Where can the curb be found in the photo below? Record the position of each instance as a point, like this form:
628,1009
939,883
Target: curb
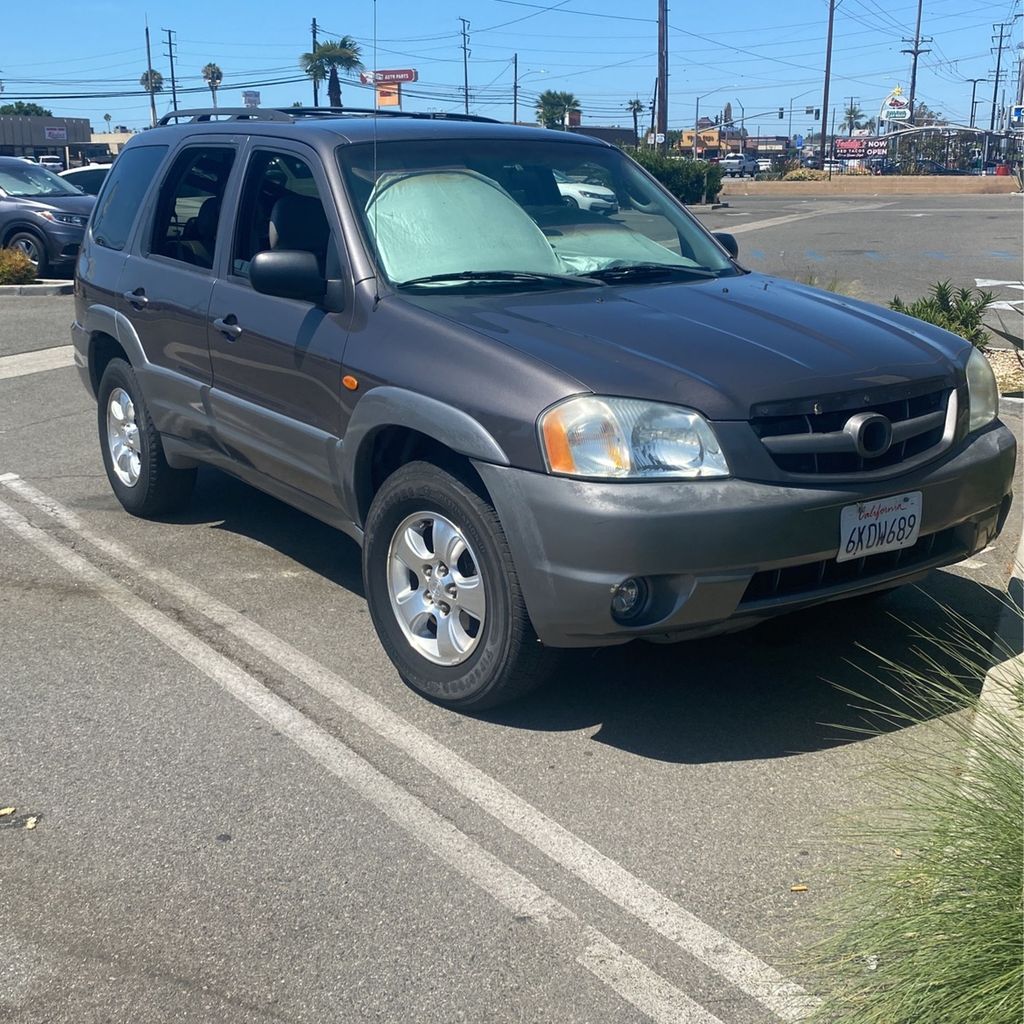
42,288
705,207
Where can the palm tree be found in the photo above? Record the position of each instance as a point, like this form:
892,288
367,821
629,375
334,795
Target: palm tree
553,108
852,117
213,76
107,118
325,60
636,108
152,81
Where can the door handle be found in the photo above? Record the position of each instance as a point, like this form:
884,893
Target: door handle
228,325
137,298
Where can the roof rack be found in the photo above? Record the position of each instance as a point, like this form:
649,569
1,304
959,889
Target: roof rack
291,114
224,114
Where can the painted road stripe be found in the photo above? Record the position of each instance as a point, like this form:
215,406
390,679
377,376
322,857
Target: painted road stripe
721,954
35,362
772,222
628,977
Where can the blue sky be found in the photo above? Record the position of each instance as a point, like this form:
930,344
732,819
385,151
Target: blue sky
753,54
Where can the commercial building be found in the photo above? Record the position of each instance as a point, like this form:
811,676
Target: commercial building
41,136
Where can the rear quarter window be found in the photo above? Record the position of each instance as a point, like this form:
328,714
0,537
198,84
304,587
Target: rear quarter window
122,194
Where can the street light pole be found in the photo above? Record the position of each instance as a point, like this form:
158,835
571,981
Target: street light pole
743,119
515,88
974,88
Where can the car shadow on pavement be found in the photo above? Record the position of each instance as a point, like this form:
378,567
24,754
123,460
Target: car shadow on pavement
224,503
770,692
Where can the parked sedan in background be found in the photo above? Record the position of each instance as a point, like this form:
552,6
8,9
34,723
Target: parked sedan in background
585,196
41,214
89,178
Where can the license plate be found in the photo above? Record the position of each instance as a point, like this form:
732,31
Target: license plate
885,524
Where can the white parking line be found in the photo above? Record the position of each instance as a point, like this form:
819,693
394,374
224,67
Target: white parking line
35,362
772,222
628,977
721,954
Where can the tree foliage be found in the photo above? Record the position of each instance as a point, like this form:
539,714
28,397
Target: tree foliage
324,62
553,108
157,84
21,109
213,76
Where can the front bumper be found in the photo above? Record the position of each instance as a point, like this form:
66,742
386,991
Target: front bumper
712,549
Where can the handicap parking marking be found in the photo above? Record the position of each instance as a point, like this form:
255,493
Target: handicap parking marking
1004,303
757,254
877,257
811,254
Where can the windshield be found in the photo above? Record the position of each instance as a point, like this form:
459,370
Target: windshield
450,212
33,182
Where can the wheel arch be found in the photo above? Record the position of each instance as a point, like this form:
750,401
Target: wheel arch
391,427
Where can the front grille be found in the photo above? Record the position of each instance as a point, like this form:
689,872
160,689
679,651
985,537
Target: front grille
815,443
796,581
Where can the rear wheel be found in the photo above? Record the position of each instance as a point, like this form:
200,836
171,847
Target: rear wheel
29,243
443,592
132,453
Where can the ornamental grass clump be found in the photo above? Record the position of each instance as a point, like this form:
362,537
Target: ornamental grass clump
16,267
931,926
960,310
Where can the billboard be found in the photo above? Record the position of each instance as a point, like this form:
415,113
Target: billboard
388,77
54,133
859,149
894,107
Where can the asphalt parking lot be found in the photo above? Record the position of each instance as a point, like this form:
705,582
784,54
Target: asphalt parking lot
243,814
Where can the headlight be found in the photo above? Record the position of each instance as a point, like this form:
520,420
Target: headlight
596,195
982,392
627,439
75,219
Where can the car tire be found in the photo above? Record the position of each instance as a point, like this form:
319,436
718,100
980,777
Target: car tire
459,634
34,247
571,202
133,454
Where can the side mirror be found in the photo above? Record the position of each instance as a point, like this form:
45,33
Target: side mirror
728,243
289,274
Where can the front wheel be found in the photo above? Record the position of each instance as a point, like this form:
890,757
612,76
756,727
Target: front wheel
29,243
443,592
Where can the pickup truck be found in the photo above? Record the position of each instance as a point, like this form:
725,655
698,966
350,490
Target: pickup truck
739,164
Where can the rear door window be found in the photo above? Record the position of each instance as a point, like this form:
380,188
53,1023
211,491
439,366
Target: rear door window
188,207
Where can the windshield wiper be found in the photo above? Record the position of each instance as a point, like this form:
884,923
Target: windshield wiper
638,271
526,276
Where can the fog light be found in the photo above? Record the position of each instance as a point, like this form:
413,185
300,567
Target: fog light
629,599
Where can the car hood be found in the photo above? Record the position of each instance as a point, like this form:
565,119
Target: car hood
64,204
720,346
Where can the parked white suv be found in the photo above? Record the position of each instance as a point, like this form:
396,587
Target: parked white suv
51,163
739,164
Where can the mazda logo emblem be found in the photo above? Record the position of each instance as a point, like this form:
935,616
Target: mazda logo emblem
870,432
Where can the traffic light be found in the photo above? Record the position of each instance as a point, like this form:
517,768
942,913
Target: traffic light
782,113
817,113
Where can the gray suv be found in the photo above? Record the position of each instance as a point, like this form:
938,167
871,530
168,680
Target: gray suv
547,427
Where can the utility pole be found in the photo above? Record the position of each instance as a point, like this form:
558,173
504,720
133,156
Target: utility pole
465,62
743,121
828,74
662,74
999,64
515,88
916,50
170,57
316,89
974,103
149,81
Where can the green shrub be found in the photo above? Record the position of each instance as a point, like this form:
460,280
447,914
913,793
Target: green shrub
690,181
959,311
805,174
16,267
932,915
